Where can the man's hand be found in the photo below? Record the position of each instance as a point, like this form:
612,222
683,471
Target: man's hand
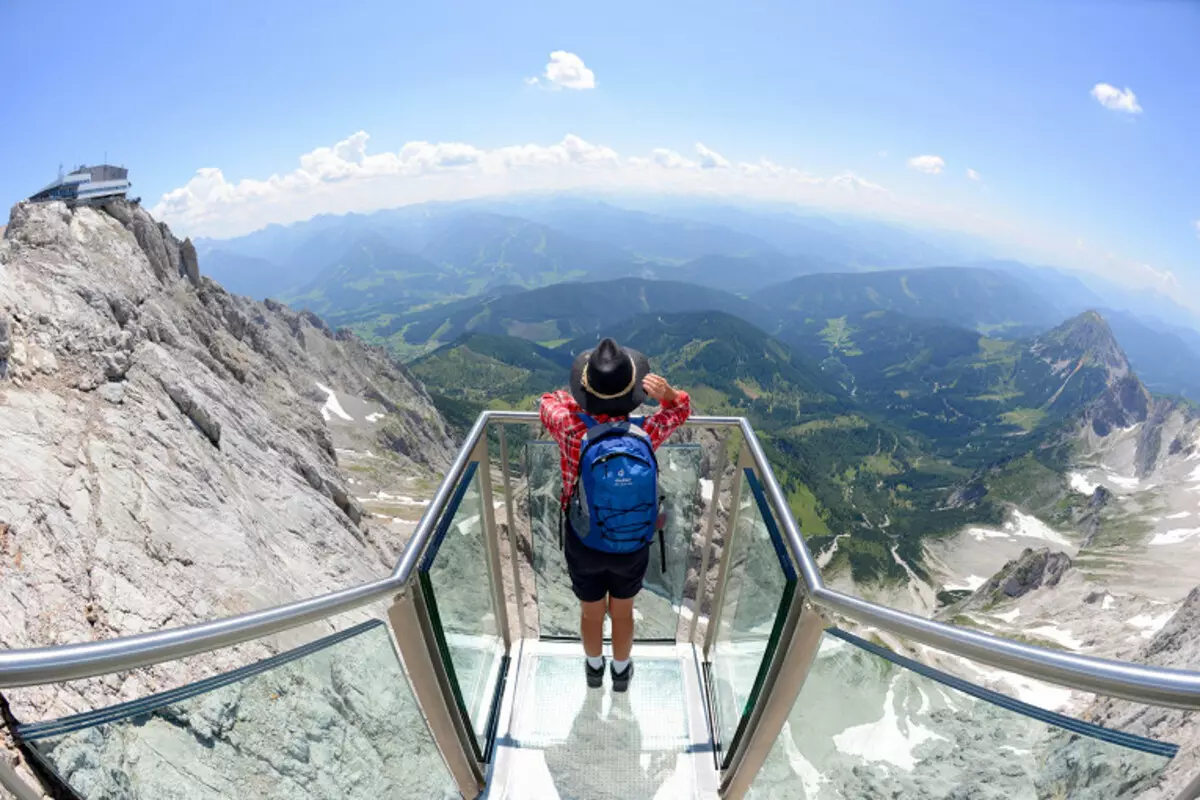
657,387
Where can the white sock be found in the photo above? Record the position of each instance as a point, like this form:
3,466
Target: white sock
619,667
595,662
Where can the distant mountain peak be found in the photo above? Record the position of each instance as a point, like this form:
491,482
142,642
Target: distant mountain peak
1084,340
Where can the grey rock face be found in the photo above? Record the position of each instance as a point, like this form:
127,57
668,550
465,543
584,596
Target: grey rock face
5,339
865,728
119,514
1034,569
338,723
1177,645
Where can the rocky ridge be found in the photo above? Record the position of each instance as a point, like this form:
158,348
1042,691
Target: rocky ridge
163,452
1177,646
1033,569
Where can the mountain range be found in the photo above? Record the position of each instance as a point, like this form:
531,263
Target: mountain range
904,387
911,414
893,427
374,272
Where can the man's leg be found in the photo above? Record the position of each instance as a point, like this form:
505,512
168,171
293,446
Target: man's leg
621,611
591,627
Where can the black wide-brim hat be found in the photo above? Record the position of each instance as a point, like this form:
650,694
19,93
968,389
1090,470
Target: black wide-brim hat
608,379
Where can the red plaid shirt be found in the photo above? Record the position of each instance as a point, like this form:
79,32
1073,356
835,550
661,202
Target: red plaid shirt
560,415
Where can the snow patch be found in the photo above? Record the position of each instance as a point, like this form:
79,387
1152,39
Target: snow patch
332,407
1121,481
1177,536
1022,525
1081,484
706,489
1150,625
1108,602
885,739
1180,515
1008,616
969,584
375,417
1034,692
987,533
810,777
1057,634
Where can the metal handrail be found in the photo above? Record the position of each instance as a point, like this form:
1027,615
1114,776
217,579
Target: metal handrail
42,665
1143,684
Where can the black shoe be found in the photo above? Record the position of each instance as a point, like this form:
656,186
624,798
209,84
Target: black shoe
621,682
595,677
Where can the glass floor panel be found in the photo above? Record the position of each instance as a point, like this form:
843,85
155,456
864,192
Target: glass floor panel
568,741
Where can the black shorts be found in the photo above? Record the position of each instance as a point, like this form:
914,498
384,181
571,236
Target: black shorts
596,574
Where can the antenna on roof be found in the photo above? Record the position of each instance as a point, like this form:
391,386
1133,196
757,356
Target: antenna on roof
60,172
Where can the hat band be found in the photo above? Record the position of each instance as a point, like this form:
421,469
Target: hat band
622,393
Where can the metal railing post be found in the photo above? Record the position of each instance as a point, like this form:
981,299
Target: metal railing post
513,556
418,648
735,501
702,576
495,571
14,783
789,669
1191,791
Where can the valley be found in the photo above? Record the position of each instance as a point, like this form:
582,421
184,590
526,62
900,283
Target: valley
907,405
952,442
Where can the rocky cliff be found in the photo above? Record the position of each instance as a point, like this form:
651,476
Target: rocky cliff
167,451
1033,569
1177,646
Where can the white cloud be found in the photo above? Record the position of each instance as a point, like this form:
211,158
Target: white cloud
710,159
930,164
1162,279
349,177
1197,224
565,71
972,174
848,181
669,159
1116,99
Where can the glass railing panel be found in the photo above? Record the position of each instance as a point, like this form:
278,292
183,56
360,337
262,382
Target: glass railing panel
457,584
759,587
869,722
657,607
334,718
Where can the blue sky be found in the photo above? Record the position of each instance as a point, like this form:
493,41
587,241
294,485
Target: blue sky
819,90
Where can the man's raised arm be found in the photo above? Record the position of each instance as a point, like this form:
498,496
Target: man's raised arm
556,410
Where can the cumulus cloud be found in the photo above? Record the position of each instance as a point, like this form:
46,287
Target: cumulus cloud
669,159
972,174
565,71
710,159
348,176
930,164
1162,279
1116,99
848,181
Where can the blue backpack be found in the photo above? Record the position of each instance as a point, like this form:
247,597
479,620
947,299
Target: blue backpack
615,503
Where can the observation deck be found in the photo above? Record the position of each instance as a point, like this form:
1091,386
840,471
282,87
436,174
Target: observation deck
460,674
